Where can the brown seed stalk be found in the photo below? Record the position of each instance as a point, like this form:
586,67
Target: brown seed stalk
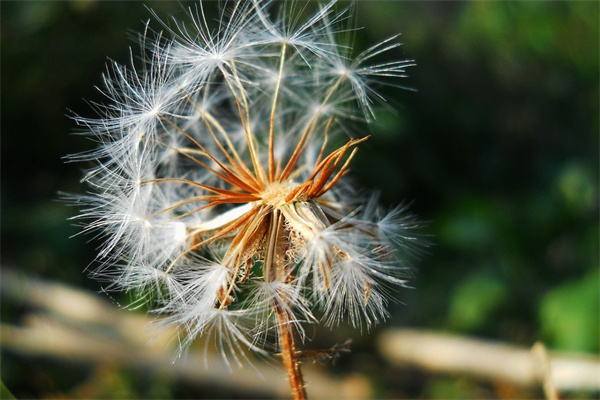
285,330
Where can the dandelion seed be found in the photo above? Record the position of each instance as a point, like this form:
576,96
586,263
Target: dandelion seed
219,190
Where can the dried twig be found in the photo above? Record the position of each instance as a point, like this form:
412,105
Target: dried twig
68,323
489,360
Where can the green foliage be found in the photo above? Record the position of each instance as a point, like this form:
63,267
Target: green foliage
5,393
577,189
474,302
474,225
570,314
452,389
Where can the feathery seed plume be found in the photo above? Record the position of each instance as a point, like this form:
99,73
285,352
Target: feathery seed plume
220,191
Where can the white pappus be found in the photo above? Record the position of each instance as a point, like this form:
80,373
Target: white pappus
218,180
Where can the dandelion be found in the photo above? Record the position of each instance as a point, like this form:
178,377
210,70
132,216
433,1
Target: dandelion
219,183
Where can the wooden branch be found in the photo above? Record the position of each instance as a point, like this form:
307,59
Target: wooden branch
68,323
494,361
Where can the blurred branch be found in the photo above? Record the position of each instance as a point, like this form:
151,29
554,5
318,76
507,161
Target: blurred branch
68,323
444,353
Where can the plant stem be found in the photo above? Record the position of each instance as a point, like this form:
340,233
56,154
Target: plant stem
285,331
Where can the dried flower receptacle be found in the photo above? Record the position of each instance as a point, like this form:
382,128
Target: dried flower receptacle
220,180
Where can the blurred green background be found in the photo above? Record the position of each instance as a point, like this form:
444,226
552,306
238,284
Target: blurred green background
496,151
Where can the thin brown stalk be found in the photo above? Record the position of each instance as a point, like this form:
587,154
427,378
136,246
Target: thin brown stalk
285,331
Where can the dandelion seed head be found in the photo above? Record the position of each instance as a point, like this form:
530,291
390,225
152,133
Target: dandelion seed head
219,182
